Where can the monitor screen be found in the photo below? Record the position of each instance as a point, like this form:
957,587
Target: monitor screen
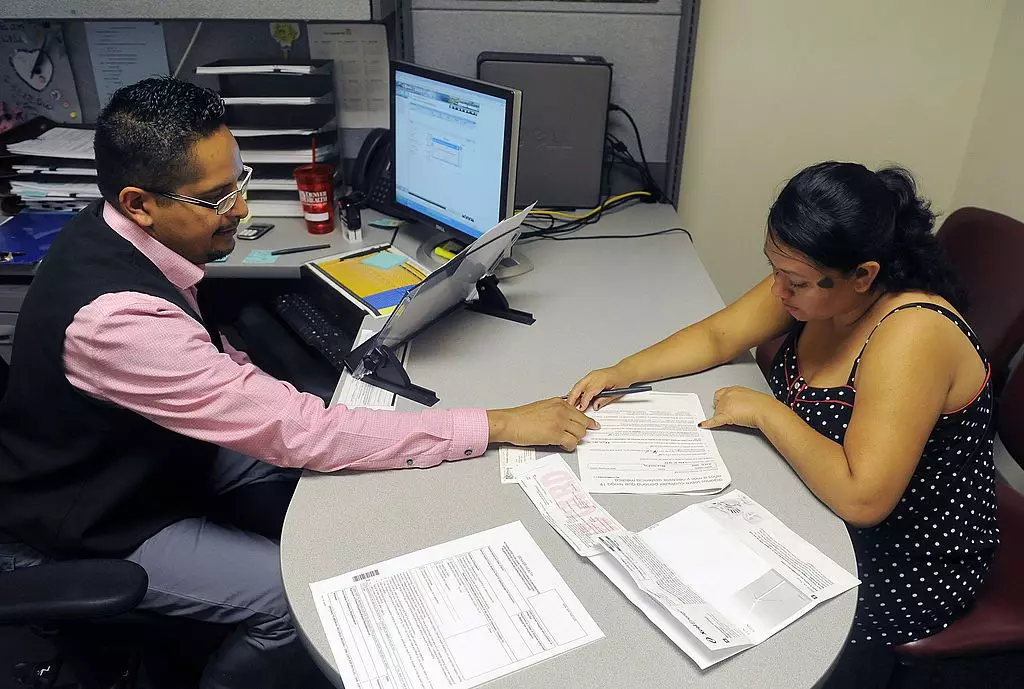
453,142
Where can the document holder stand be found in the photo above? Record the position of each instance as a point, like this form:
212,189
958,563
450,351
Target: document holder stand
383,368
492,302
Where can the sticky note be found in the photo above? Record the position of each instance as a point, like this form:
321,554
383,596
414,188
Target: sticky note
386,223
385,260
258,256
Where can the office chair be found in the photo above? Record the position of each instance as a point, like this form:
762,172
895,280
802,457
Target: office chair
58,600
86,610
986,249
996,622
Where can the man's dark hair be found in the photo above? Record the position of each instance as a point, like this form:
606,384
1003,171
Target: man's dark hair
145,134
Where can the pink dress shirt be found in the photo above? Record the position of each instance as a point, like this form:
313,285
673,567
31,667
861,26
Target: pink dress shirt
145,354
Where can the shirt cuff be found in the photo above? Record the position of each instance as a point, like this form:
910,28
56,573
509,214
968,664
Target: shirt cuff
470,433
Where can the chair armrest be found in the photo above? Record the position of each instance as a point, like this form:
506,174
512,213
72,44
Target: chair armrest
75,590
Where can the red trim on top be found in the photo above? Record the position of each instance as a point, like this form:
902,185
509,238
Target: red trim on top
847,404
988,376
830,387
796,398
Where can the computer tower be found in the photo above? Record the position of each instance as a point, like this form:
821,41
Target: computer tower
563,124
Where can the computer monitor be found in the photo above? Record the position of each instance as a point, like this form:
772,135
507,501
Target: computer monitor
456,146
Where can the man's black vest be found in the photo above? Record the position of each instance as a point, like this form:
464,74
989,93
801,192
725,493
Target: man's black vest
80,477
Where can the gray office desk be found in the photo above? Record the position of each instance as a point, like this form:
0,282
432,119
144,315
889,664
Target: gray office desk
595,301
289,232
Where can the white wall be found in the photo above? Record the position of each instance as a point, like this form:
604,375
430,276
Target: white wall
993,169
781,84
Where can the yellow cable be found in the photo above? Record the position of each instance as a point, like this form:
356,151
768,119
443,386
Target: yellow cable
583,216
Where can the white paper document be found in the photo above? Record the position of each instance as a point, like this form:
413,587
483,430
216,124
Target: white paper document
59,142
296,155
279,100
123,53
727,573
650,443
268,68
354,393
274,209
566,506
35,169
454,615
510,459
361,70
37,188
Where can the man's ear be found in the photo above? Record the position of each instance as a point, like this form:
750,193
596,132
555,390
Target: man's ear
864,276
135,203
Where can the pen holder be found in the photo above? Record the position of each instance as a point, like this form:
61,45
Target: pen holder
350,208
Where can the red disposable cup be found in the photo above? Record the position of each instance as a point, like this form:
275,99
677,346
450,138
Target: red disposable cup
316,192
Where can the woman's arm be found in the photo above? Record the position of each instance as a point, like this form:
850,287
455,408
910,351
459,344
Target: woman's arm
754,318
903,382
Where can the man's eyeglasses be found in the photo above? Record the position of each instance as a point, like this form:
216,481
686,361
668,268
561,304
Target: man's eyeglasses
221,206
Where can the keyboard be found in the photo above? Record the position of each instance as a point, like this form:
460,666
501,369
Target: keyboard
314,327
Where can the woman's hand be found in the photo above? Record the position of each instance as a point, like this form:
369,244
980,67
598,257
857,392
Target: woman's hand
610,378
738,406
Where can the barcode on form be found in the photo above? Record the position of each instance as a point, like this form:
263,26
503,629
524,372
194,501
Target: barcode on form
366,575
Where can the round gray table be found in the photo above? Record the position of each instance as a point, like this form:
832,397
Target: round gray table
595,302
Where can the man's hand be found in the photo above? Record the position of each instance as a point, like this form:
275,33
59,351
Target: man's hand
548,422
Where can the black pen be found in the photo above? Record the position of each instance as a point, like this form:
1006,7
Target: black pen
299,249
620,391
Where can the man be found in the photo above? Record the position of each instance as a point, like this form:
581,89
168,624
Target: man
128,421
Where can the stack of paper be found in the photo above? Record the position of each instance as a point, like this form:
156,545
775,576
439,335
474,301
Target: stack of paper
262,67
455,615
59,142
300,156
274,208
716,578
60,190
279,100
650,443
42,166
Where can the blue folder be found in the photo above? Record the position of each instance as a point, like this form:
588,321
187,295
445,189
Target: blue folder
24,238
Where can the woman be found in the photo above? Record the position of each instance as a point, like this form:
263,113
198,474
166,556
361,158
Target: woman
882,399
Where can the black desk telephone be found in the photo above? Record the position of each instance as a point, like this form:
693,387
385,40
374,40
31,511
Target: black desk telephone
374,175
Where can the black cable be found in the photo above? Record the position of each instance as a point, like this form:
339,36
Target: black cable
640,146
574,225
618,236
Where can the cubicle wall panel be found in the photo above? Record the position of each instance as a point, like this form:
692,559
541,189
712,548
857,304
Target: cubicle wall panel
642,48
333,10
626,7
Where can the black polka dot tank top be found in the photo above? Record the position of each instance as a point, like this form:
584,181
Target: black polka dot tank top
924,564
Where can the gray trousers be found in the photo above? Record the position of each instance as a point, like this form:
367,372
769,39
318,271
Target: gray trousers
218,573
